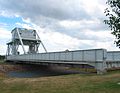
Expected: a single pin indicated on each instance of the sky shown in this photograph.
(61, 24)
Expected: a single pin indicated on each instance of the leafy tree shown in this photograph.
(113, 14)
(2, 57)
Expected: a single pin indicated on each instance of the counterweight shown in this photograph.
(24, 37)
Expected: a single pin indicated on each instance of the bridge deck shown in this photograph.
(98, 58)
(94, 57)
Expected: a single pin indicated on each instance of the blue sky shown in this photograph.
(61, 24)
(9, 22)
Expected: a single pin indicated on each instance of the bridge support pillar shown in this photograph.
(101, 67)
(101, 71)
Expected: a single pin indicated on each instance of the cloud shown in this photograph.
(62, 24)
(48, 13)
(4, 34)
(56, 9)
(94, 25)
(23, 25)
(4, 38)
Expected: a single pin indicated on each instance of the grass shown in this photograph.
(76, 83)
(2, 61)
(92, 70)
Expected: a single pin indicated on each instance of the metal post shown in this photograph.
(21, 41)
(41, 42)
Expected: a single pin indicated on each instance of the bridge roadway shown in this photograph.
(93, 57)
(100, 59)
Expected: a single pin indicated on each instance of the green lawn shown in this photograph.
(77, 83)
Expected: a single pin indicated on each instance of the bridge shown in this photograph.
(100, 59)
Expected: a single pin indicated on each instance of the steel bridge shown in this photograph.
(100, 59)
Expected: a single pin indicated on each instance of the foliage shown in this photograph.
(113, 14)
(2, 57)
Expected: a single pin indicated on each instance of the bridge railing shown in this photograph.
(113, 59)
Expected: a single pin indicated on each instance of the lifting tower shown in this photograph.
(24, 37)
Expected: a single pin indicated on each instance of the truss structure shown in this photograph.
(24, 37)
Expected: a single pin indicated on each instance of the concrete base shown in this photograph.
(101, 71)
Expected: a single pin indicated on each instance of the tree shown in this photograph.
(113, 14)
(2, 57)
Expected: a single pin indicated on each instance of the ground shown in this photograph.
(72, 83)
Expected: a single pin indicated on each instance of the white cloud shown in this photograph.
(57, 40)
(99, 36)
(62, 24)
(27, 20)
(95, 8)
(107, 45)
(80, 24)
(5, 36)
(23, 25)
